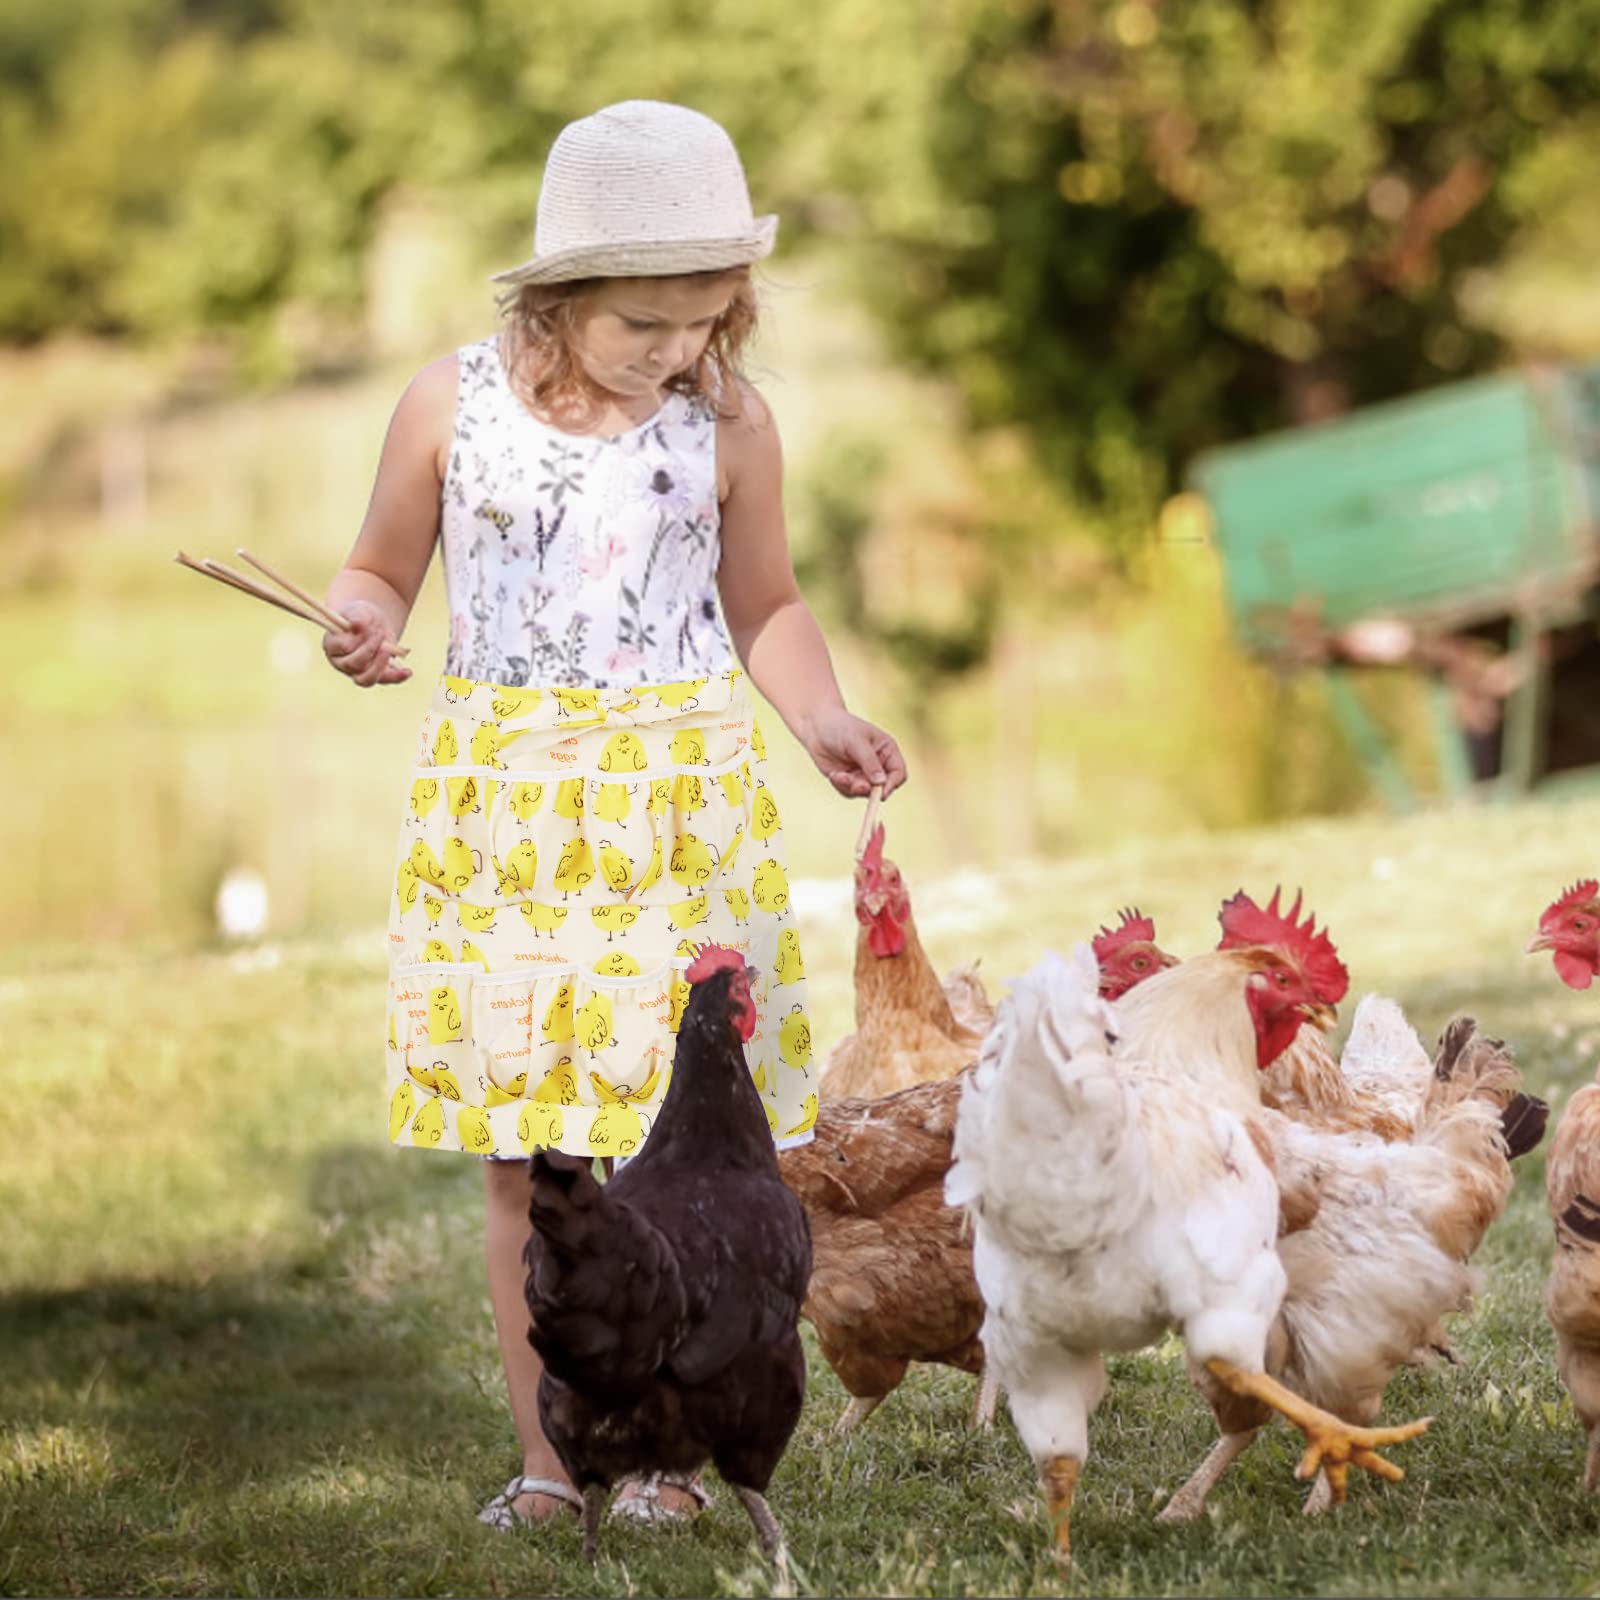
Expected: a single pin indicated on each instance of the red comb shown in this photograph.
(1245, 923)
(1134, 930)
(1580, 894)
(711, 958)
(871, 859)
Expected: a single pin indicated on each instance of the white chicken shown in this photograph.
(1113, 1202)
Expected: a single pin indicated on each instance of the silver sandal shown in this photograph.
(645, 1504)
(501, 1514)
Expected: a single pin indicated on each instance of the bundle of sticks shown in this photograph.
(295, 600)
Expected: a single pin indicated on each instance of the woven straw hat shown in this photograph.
(642, 190)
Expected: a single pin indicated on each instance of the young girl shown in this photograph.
(589, 801)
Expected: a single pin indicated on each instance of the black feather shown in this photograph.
(1523, 1123)
(1582, 1217)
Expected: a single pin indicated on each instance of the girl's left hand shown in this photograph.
(853, 755)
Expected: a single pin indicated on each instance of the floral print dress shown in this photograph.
(587, 561)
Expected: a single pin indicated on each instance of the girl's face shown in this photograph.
(632, 334)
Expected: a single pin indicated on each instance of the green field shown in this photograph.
(248, 1347)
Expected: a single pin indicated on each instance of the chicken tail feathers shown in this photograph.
(1522, 1124)
(604, 1294)
(1469, 1064)
(1452, 1042)
(565, 1203)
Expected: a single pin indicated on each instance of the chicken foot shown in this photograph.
(1060, 1474)
(1190, 1500)
(1331, 1443)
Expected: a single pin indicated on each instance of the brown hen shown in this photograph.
(907, 1025)
(891, 1278)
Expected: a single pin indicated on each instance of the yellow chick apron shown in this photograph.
(583, 813)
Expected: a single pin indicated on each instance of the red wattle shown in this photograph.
(1576, 971)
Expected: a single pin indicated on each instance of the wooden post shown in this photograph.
(1368, 739)
(1522, 743)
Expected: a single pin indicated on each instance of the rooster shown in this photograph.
(910, 1027)
(892, 1277)
(1570, 930)
(1155, 1209)
(664, 1304)
(1379, 1254)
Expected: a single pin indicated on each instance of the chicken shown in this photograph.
(665, 1304)
(1386, 1228)
(1154, 1209)
(907, 1030)
(1570, 928)
(891, 1281)
(1128, 954)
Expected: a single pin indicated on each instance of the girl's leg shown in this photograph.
(505, 1232)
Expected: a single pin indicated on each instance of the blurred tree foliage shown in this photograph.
(1134, 227)
(193, 166)
(1158, 224)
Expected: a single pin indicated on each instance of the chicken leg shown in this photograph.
(1331, 1443)
(984, 1403)
(767, 1529)
(860, 1408)
(1190, 1500)
(1060, 1474)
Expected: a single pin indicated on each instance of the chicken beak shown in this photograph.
(1540, 941)
(1320, 1017)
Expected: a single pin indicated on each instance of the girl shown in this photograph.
(589, 799)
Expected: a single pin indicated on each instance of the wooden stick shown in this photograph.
(238, 583)
(331, 618)
(867, 821)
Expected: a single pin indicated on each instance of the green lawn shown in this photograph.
(247, 1347)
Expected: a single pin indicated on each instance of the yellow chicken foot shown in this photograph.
(857, 1412)
(1331, 1443)
(1060, 1474)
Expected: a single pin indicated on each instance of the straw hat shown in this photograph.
(642, 190)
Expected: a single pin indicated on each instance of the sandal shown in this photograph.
(501, 1514)
(645, 1503)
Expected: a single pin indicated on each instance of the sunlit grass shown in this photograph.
(248, 1347)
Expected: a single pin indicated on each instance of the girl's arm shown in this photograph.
(381, 576)
(773, 630)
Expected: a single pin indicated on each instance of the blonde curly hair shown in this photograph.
(537, 347)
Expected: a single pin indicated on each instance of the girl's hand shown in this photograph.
(364, 651)
(853, 755)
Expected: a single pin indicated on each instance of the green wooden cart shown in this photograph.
(1470, 503)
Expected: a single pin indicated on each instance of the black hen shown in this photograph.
(664, 1305)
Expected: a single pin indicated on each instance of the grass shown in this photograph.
(248, 1348)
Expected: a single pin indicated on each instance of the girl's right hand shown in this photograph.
(364, 651)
